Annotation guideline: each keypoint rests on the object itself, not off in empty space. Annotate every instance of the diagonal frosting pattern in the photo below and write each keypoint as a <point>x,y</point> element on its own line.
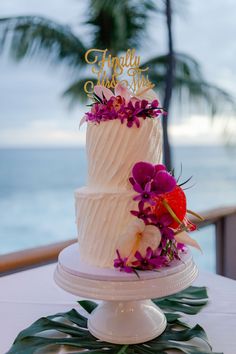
<point>101,219</point>
<point>113,149</point>
<point>103,206</point>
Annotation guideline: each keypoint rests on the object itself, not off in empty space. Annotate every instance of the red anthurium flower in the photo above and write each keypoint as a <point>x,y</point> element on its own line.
<point>176,199</point>
<point>191,226</point>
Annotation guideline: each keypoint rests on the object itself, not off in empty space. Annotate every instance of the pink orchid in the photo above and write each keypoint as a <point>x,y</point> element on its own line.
<point>103,92</point>
<point>121,90</point>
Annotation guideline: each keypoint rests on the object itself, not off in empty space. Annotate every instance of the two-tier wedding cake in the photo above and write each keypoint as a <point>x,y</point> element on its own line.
<point>103,206</point>
<point>132,213</point>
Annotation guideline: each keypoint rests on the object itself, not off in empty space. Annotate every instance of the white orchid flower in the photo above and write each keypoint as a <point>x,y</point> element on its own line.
<point>146,93</point>
<point>82,121</point>
<point>183,237</point>
<point>138,237</point>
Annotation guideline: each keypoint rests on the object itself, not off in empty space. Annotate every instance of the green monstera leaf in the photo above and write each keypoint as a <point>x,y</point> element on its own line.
<point>69,330</point>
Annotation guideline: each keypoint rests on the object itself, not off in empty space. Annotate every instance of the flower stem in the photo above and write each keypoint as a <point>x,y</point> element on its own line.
<point>195,214</point>
<point>170,210</point>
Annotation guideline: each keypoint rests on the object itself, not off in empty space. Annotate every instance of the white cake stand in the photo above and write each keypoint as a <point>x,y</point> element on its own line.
<point>126,315</point>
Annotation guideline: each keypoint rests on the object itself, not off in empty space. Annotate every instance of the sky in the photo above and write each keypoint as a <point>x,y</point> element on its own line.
<point>33,112</point>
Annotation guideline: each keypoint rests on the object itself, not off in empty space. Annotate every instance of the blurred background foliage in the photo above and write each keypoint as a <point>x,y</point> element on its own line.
<point>116,25</point>
<point>42,153</point>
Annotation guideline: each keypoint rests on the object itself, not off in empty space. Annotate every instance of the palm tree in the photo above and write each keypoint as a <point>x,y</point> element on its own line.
<point>169,80</point>
<point>116,25</point>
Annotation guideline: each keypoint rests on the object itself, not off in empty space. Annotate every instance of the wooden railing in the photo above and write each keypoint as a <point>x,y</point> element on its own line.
<point>224,220</point>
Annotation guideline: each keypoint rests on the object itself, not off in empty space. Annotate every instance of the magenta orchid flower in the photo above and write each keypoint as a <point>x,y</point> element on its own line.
<point>122,105</point>
<point>145,195</point>
<point>149,262</point>
<point>163,224</point>
<point>181,247</point>
<point>155,104</point>
<point>163,182</point>
<point>142,173</point>
<point>144,214</point>
<point>120,263</point>
<point>149,181</point>
<point>133,111</point>
<point>159,167</point>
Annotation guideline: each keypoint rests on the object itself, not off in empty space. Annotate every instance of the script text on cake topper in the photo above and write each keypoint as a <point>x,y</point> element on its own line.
<point>109,70</point>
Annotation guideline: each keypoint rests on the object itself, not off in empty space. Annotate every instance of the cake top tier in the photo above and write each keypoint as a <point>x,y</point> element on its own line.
<point>122,129</point>
<point>112,149</point>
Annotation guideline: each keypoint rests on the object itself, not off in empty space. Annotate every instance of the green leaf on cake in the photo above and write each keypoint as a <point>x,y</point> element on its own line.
<point>69,330</point>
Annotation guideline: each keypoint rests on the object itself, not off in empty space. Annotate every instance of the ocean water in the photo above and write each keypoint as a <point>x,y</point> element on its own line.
<point>37,193</point>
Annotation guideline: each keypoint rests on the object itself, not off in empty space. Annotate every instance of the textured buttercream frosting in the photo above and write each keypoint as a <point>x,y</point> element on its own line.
<point>101,218</point>
<point>113,149</point>
<point>103,206</point>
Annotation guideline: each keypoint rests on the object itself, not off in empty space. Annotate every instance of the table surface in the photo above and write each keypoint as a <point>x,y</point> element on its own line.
<point>29,295</point>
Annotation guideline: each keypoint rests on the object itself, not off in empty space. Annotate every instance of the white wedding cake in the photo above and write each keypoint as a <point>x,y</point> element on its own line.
<point>131,214</point>
<point>103,206</point>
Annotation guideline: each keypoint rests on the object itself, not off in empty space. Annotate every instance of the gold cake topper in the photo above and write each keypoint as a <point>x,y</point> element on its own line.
<point>109,70</point>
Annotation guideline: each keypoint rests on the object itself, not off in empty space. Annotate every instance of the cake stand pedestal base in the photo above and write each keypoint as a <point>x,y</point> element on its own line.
<point>126,315</point>
<point>127,322</point>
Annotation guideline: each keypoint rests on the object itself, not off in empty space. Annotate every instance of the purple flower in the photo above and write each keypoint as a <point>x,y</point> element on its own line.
<point>149,262</point>
<point>144,214</point>
<point>159,167</point>
<point>144,104</point>
<point>163,182</point>
<point>155,104</point>
<point>142,173</point>
<point>132,114</point>
<point>181,247</point>
<point>121,106</point>
<point>131,120</point>
<point>120,262</point>
<point>163,224</point>
<point>145,195</point>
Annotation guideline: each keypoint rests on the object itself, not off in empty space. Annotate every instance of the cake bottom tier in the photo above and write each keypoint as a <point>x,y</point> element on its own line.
<point>101,218</point>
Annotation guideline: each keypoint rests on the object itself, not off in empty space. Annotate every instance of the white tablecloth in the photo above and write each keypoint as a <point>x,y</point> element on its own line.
<point>29,295</point>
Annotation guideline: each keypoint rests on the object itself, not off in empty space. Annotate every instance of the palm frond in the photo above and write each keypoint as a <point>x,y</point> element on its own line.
<point>188,78</point>
<point>75,92</point>
<point>34,36</point>
<point>118,25</point>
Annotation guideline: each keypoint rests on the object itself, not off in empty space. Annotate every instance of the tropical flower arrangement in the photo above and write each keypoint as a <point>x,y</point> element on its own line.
<point>159,232</point>
<point>123,105</point>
